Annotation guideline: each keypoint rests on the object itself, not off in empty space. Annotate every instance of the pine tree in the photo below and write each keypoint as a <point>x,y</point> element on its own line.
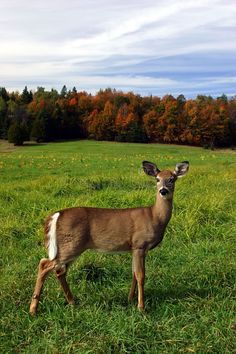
<point>26,96</point>
<point>38,132</point>
<point>64,91</point>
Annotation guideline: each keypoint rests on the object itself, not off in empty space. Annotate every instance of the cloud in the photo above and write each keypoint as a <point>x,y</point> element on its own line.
<point>136,45</point>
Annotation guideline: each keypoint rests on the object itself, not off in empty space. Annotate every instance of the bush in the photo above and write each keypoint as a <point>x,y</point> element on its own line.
<point>17,133</point>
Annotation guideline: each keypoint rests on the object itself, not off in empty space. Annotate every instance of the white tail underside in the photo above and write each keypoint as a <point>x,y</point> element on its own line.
<point>52,237</point>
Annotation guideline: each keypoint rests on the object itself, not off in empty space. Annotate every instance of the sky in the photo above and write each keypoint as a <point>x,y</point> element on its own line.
<point>150,47</point>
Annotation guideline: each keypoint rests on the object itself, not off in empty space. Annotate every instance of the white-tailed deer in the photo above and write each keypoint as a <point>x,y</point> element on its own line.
<point>70,232</point>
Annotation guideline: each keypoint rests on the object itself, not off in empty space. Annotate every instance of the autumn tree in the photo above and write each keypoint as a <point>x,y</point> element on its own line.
<point>150,120</point>
<point>107,121</point>
<point>92,123</point>
<point>190,133</point>
<point>128,125</point>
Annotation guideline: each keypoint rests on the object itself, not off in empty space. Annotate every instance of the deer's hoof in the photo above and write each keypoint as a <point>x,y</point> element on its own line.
<point>141,308</point>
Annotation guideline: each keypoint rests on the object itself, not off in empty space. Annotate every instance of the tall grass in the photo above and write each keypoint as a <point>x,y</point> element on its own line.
<point>190,286</point>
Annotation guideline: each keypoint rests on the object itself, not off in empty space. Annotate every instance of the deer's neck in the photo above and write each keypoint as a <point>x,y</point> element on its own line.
<point>162,210</point>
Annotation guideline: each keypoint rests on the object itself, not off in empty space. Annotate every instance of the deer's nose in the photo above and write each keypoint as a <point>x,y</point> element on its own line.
<point>163,191</point>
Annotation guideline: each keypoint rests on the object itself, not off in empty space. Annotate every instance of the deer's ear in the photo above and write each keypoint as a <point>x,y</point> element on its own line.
<point>150,168</point>
<point>181,169</point>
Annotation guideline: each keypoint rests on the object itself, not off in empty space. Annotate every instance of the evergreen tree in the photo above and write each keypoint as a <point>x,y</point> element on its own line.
<point>4,94</point>
<point>64,91</point>
<point>38,132</point>
<point>26,96</point>
<point>3,114</point>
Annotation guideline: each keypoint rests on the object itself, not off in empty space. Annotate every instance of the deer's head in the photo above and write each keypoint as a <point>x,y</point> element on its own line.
<point>166,179</point>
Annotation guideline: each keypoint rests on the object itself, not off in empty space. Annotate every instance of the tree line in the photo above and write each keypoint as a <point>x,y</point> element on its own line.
<point>116,116</point>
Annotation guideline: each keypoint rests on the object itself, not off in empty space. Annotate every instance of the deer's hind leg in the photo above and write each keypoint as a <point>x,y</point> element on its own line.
<point>61,276</point>
<point>44,268</point>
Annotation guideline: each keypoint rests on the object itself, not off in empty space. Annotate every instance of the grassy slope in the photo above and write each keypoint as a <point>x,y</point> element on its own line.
<point>190,287</point>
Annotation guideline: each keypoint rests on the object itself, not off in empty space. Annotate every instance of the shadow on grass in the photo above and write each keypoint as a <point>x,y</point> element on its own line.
<point>33,144</point>
<point>108,300</point>
<point>96,274</point>
<point>153,299</point>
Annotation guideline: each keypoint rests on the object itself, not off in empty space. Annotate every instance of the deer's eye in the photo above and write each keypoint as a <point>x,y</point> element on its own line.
<point>158,179</point>
<point>171,180</point>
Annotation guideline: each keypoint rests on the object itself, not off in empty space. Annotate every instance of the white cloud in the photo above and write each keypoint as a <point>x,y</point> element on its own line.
<point>111,43</point>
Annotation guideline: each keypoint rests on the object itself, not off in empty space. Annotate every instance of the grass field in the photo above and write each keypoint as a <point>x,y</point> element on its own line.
<point>190,286</point>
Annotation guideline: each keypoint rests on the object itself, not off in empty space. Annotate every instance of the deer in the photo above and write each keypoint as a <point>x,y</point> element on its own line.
<point>71,231</point>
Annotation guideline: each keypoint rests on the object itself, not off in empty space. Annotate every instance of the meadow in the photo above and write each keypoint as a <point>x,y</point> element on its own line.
<point>190,279</point>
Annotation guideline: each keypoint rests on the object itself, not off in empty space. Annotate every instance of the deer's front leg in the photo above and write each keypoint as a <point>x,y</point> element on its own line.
<point>134,283</point>
<point>139,273</point>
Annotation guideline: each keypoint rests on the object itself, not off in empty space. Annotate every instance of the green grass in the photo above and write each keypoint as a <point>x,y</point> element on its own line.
<point>190,285</point>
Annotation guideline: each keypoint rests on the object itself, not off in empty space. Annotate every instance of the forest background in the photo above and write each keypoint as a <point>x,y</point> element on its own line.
<point>116,116</point>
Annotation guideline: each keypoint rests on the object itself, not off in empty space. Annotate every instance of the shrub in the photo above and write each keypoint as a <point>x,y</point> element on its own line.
<point>18,133</point>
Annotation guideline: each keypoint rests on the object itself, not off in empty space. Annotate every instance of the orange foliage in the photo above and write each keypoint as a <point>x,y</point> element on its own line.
<point>114,115</point>
<point>42,103</point>
<point>73,102</point>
